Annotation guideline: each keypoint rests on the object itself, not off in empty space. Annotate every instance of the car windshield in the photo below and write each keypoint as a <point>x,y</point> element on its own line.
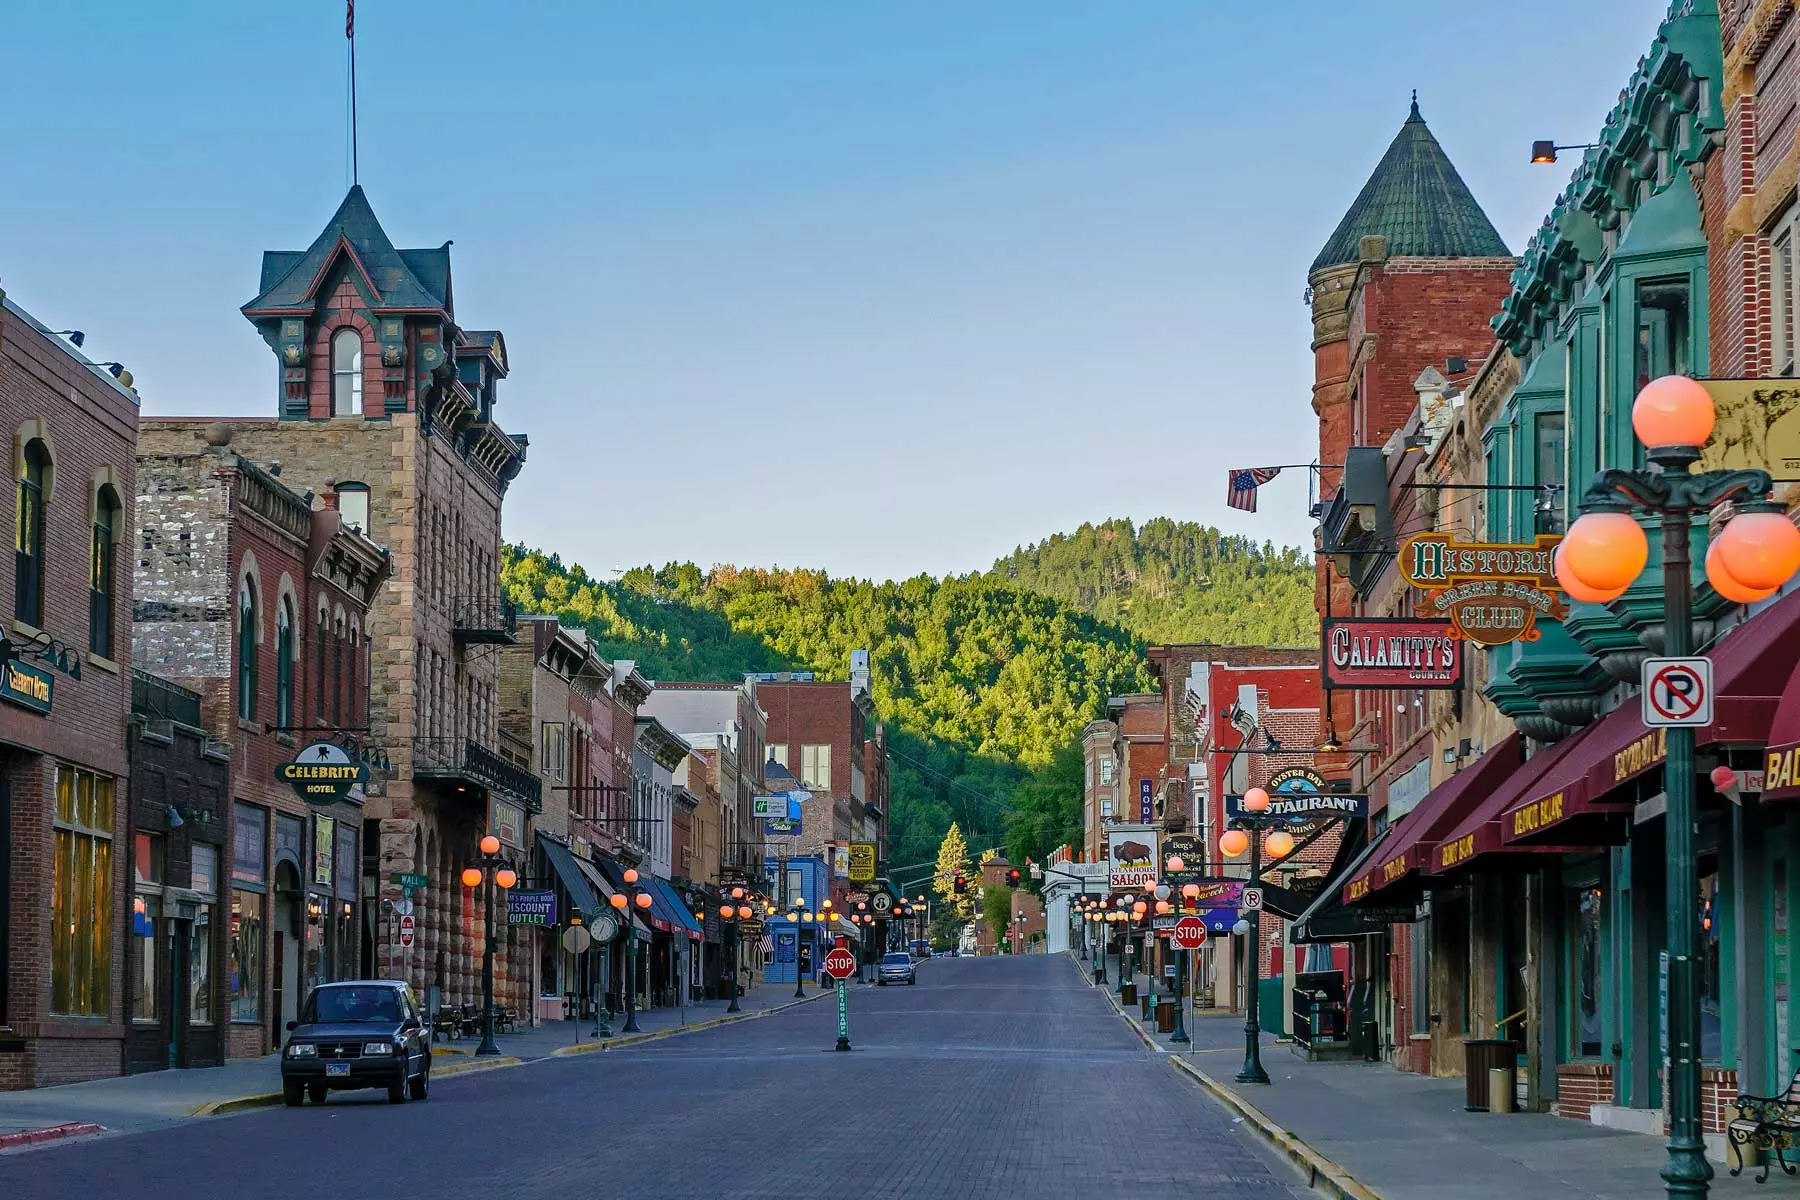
<point>895,960</point>
<point>353,1006</point>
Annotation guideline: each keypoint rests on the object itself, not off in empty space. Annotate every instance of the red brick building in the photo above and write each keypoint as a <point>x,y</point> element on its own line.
<point>821,731</point>
<point>64,696</point>
<point>1026,935</point>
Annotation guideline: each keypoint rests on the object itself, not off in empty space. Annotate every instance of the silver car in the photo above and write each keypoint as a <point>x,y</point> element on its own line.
<point>895,968</point>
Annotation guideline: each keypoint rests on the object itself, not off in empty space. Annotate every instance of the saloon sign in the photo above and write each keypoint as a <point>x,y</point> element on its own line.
<point>1132,853</point>
<point>1379,652</point>
<point>323,773</point>
<point>1491,593</point>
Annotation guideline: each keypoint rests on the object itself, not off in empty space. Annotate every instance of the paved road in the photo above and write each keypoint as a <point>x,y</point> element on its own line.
<point>992,1078</point>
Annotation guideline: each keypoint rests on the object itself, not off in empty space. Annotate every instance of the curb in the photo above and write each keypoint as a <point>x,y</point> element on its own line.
<point>218,1108</point>
<point>1322,1174</point>
<point>31,1137</point>
<point>633,1039</point>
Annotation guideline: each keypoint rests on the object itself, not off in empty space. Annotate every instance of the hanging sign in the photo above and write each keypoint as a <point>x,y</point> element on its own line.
<point>323,773</point>
<point>1191,850</point>
<point>862,862</point>
<point>1391,653</point>
<point>1299,796</point>
<point>530,908</point>
<point>1492,593</point>
<point>1132,855</point>
<point>26,686</point>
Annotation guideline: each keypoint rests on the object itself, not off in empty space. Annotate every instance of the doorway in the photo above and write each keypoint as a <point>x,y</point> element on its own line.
<point>290,933</point>
<point>180,935</point>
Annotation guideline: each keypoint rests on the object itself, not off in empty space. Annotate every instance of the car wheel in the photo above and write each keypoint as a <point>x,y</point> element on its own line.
<point>421,1086</point>
<point>910,982</point>
<point>881,983</point>
<point>315,1092</point>
<point>292,1094</point>
<point>397,1091</point>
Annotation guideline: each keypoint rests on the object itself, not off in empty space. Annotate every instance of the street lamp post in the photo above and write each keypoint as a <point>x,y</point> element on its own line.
<point>1751,558</point>
<point>737,910</point>
<point>799,916</point>
<point>640,900</point>
<point>499,874</point>
<point>1279,844</point>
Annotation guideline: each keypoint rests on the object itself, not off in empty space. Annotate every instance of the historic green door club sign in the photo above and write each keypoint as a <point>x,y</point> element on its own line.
<point>323,773</point>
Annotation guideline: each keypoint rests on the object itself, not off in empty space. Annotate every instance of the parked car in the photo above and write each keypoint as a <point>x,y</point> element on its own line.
<point>363,1033</point>
<point>895,968</point>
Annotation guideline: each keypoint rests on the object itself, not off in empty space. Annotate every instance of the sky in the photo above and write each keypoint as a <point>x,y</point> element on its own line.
<point>882,288</point>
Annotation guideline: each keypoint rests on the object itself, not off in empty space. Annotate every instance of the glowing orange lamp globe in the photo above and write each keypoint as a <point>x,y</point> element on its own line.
<point>1177,863</point>
<point>1576,589</point>
<point>1727,584</point>
<point>1605,551</point>
<point>506,877</point>
<point>1280,844</point>
<point>490,844</point>
<point>1759,549</point>
<point>643,900</point>
<point>1256,800</point>
<point>744,912</point>
<point>1673,411</point>
<point>618,901</point>
<point>725,910</point>
<point>1234,842</point>
<point>631,875</point>
<point>1191,891</point>
<point>471,877</point>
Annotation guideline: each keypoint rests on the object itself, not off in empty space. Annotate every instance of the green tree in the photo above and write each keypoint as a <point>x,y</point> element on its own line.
<point>997,909</point>
<point>1046,811</point>
<point>953,860</point>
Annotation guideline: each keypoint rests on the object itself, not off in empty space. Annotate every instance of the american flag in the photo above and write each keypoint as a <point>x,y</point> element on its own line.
<point>1244,482</point>
<point>767,945</point>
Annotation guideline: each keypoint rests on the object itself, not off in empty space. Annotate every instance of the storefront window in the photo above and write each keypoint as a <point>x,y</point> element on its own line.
<point>199,982</point>
<point>1662,342</point>
<point>1584,973</point>
<point>1711,1031</point>
<point>145,910</point>
<point>82,894</point>
<point>245,964</point>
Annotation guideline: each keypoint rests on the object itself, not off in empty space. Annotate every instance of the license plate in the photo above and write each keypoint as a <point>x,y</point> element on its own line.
<point>337,1069</point>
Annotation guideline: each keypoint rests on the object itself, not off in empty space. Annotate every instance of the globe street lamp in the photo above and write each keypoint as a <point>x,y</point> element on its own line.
<point>1279,844</point>
<point>1018,931</point>
<point>1750,559</point>
<point>799,915</point>
<point>738,909</point>
<point>640,900</point>
<point>500,875</point>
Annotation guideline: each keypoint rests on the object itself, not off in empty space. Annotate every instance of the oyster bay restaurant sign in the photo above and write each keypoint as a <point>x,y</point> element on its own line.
<point>1299,795</point>
<point>1491,593</point>
<point>324,773</point>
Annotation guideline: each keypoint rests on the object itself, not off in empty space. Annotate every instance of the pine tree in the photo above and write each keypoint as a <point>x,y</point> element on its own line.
<point>953,860</point>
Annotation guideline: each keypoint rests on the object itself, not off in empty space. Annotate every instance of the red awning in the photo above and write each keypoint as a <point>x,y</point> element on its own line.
<point>1482,831</point>
<point>1781,779</point>
<point>1403,856</point>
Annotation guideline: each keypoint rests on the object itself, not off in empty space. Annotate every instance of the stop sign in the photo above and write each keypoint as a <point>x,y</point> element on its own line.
<point>840,964</point>
<point>1190,933</point>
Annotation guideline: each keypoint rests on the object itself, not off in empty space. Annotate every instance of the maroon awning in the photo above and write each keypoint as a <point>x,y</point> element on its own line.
<point>1480,832</point>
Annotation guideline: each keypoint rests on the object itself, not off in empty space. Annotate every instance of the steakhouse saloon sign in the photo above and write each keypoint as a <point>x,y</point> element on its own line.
<point>1491,593</point>
<point>1381,652</point>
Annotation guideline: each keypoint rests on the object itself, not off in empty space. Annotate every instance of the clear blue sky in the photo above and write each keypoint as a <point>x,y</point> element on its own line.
<point>877,287</point>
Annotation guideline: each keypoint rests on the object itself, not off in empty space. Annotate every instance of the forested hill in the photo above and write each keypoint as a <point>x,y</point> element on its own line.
<point>979,684</point>
<point>1170,581</point>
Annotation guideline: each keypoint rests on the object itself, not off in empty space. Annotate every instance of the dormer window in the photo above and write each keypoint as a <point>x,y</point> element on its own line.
<point>353,505</point>
<point>346,372</point>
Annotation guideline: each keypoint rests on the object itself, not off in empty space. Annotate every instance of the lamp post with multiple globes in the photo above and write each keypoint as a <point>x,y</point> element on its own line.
<point>640,900</point>
<point>1752,557</point>
<point>499,875</point>
<point>1246,833</point>
<point>731,912</point>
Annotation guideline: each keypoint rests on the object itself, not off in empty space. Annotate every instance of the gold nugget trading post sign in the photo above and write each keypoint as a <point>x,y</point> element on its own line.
<point>1491,593</point>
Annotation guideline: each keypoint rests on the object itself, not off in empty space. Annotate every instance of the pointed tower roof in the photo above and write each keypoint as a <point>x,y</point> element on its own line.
<point>402,279</point>
<point>1418,202</point>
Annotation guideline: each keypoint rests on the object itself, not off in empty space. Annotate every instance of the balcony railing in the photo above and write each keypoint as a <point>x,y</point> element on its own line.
<point>461,760</point>
<point>157,698</point>
<point>484,620</point>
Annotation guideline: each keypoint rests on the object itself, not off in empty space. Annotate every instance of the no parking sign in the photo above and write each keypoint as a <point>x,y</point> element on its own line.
<point>1677,691</point>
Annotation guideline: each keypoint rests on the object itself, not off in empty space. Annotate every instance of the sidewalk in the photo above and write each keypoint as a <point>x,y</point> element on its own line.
<point>1371,1131</point>
<point>133,1103</point>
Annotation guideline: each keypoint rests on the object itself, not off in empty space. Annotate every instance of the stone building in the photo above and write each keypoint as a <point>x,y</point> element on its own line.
<point>259,601</point>
<point>64,697</point>
<point>385,411</point>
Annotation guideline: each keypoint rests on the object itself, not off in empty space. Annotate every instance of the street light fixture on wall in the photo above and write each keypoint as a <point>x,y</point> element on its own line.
<point>1544,151</point>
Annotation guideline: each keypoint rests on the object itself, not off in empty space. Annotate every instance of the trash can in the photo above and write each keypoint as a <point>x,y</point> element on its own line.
<point>1481,1055</point>
<point>1128,994</point>
<point>1099,975</point>
<point>1165,1015</point>
<point>1500,1089</point>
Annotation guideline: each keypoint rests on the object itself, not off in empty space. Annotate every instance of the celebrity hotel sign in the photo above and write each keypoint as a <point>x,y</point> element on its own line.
<point>1491,593</point>
<point>1379,652</point>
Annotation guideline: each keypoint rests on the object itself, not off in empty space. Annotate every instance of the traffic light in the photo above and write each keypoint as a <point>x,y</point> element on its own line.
<point>960,885</point>
<point>1012,878</point>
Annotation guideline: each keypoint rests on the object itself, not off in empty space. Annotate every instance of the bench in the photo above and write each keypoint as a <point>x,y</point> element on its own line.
<point>1767,1123</point>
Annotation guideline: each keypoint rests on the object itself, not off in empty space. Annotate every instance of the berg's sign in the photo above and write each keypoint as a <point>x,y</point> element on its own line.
<point>323,773</point>
<point>1491,593</point>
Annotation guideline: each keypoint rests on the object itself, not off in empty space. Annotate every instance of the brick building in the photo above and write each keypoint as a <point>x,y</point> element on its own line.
<point>1027,936</point>
<point>726,721</point>
<point>258,601</point>
<point>385,412</point>
<point>821,731</point>
<point>64,698</point>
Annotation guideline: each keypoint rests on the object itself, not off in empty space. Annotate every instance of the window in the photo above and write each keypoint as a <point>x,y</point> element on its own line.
<point>246,649</point>
<point>1106,771</point>
<point>1662,330</point>
<point>199,981</point>
<point>1712,1041</point>
<point>1551,451</point>
<point>1419,964</point>
<point>319,639</point>
<point>249,870</point>
<point>815,767</point>
<point>353,505</point>
<point>555,749</point>
<point>346,372</point>
<point>146,909</point>
<point>100,586</point>
<point>284,664</point>
<point>1584,973</point>
<point>337,673</point>
<point>351,655</point>
<point>778,753</point>
<point>28,556</point>
<point>1784,294</point>
<point>81,894</point>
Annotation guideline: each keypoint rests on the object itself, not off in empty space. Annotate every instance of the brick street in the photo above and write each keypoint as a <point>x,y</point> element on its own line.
<point>991,1078</point>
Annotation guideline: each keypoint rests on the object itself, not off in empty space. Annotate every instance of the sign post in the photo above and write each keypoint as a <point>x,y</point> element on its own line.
<point>1189,935</point>
<point>840,964</point>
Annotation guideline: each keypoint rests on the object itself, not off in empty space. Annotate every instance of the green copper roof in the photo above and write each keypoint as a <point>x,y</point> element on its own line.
<point>412,279</point>
<point>1418,202</point>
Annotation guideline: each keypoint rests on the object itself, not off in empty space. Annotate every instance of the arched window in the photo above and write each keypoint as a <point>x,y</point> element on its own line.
<point>246,648</point>
<point>320,637</point>
<point>353,504</point>
<point>100,585</point>
<point>356,717</point>
<point>284,663</point>
<point>346,372</point>
<point>337,674</point>
<point>28,557</point>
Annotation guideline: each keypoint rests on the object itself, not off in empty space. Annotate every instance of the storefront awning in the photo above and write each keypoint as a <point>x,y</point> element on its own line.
<point>1781,781</point>
<point>675,912</point>
<point>1329,919</point>
<point>1482,832</point>
<point>563,866</point>
<point>1395,875</point>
